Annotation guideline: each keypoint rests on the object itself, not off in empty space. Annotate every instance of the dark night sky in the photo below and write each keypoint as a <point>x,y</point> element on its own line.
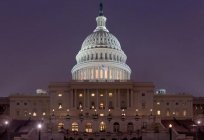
<point>163,39</point>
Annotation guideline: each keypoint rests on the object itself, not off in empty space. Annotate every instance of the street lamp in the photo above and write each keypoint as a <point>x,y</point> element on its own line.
<point>170,131</point>
<point>198,129</point>
<point>6,123</point>
<point>39,127</point>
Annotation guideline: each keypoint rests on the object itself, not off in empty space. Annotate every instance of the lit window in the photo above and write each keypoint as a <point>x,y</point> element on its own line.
<point>184,113</point>
<point>158,112</point>
<point>75,126</point>
<point>60,106</point>
<point>25,113</point>
<point>102,126</point>
<point>92,94</point>
<point>60,95</point>
<point>88,128</point>
<point>80,95</point>
<point>44,114</point>
<point>60,126</point>
<point>101,94</point>
<point>158,103</point>
<point>101,114</point>
<point>34,114</point>
<point>167,113</point>
<point>102,105</point>
<point>110,94</point>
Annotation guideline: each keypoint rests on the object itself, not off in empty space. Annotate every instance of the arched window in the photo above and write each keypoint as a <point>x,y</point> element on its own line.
<point>130,127</point>
<point>75,126</point>
<point>102,127</point>
<point>88,128</point>
<point>60,126</point>
<point>116,127</point>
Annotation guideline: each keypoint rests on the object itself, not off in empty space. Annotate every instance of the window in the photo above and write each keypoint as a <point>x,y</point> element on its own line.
<point>177,103</point>
<point>101,106</point>
<point>25,113</point>
<point>167,103</point>
<point>116,127</point>
<point>167,112</point>
<point>75,127</point>
<point>60,105</point>
<point>184,113</point>
<point>80,105</point>
<point>101,114</point>
<point>130,127</point>
<point>43,113</point>
<point>143,94</point>
<point>110,106</point>
<point>143,105</point>
<point>88,128</point>
<point>17,103</point>
<point>102,127</point>
<point>25,104</point>
<point>17,113</point>
<point>59,95</point>
<point>158,112</point>
<point>123,105</point>
<point>60,126</point>
<point>158,103</point>
<point>80,95</point>
<point>34,114</point>
<point>110,94</point>
<point>92,94</point>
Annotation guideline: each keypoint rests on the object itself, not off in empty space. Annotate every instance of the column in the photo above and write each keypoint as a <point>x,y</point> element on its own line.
<point>119,102</point>
<point>97,99</point>
<point>84,95</point>
<point>107,101</point>
<point>88,98</point>
<point>127,95</point>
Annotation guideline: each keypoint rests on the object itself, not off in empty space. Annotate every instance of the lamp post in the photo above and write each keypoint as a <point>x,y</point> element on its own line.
<point>198,129</point>
<point>39,127</point>
<point>6,123</point>
<point>170,131</point>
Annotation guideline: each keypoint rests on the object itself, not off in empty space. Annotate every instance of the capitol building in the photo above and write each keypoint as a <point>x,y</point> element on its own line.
<point>101,101</point>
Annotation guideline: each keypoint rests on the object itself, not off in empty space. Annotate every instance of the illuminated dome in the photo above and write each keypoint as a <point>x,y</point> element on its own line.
<point>101,56</point>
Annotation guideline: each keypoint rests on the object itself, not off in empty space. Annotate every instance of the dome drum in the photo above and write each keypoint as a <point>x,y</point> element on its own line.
<point>101,71</point>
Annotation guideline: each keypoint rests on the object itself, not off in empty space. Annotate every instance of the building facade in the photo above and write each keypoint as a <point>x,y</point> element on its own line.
<point>101,97</point>
<point>23,107</point>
